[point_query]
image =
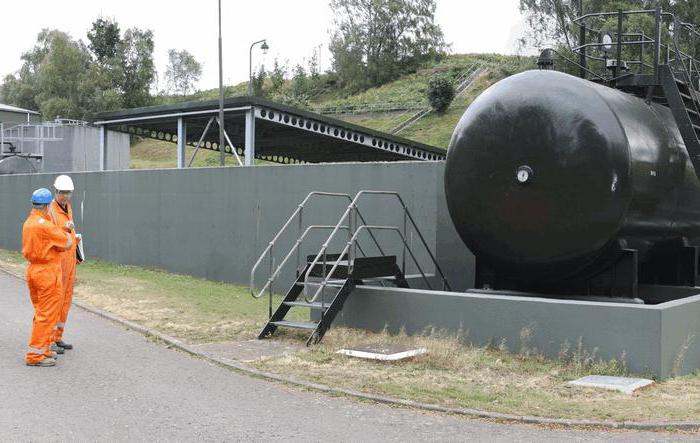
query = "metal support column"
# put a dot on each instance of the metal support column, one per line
(103, 148)
(657, 44)
(181, 142)
(250, 137)
(582, 52)
(618, 63)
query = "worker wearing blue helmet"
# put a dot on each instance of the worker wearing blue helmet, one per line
(42, 245)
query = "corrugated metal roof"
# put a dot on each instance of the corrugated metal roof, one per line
(283, 134)
(9, 108)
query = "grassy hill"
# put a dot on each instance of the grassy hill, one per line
(409, 90)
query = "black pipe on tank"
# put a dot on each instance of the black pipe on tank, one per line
(545, 171)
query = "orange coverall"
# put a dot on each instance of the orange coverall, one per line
(68, 264)
(43, 245)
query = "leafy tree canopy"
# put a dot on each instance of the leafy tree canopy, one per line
(376, 41)
(183, 71)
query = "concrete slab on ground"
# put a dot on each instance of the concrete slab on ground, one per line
(383, 352)
(626, 385)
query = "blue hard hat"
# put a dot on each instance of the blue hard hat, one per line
(42, 196)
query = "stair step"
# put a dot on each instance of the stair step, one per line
(303, 304)
(317, 284)
(330, 262)
(296, 324)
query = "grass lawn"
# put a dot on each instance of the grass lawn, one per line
(153, 154)
(149, 153)
(192, 309)
(506, 378)
(433, 129)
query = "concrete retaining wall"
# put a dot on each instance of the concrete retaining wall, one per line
(213, 222)
(653, 339)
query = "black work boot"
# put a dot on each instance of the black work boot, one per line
(55, 348)
(47, 361)
(64, 345)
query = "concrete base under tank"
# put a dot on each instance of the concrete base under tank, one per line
(659, 339)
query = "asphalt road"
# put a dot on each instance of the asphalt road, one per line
(117, 386)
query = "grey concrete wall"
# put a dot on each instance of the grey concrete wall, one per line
(80, 150)
(455, 259)
(680, 336)
(651, 338)
(213, 222)
(11, 118)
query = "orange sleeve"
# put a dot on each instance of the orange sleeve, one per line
(55, 236)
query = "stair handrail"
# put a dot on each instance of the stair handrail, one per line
(298, 212)
(346, 250)
(345, 218)
(686, 71)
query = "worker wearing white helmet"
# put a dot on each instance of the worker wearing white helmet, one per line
(62, 214)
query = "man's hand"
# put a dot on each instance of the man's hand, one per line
(69, 225)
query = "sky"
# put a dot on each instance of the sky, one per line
(293, 29)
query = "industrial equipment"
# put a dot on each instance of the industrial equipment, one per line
(568, 185)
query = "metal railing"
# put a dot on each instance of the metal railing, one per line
(634, 47)
(351, 221)
(268, 252)
(464, 82)
(36, 134)
(364, 108)
(349, 217)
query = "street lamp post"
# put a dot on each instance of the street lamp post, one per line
(264, 47)
(222, 140)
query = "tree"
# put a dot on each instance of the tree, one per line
(258, 82)
(104, 37)
(62, 77)
(183, 71)
(441, 92)
(136, 54)
(550, 22)
(277, 76)
(59, 78)
(300, 82)
(375, 41)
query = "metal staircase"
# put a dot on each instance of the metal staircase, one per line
(682, 99)
(339, 273)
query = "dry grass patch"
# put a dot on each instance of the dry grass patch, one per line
(457, 375)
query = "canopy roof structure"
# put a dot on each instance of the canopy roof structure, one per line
(8, 108)
(270, 131)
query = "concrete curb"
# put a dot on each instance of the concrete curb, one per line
(474, 413)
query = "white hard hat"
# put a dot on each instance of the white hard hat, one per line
(63, 183)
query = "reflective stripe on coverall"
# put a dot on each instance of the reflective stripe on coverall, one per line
(68, 264)
(43, 244)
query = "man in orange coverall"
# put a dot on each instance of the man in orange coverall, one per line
(62, 215)
(43, 245)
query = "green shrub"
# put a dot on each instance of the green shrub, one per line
(441, 92)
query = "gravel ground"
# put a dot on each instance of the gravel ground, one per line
(117, 386)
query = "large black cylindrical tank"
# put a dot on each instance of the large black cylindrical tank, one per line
(16, 165)
(545, 170)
